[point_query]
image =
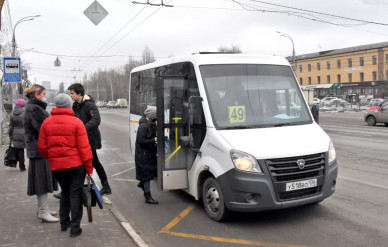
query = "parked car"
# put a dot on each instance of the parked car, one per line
(100, 103)
(316, 101)
(111, 104)
(325, 101)
(379, 115)
(338, 103)
(122, 103)
(376, 102)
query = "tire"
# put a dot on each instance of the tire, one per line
(213, 201)
(386, 124)
(371, 120)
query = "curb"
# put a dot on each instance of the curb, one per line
(124, 223)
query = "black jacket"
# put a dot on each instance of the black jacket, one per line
(145, 153)
(34, 115)
(88, 112)
(16, 127)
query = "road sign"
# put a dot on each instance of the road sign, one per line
(57, 62)
(95, 12)
(12, 70)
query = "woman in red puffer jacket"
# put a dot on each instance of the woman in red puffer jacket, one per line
(64, 142)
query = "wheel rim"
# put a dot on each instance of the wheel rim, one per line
(371, 121)
(213, 199)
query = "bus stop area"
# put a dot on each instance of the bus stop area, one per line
(20, 226)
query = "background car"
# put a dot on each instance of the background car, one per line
(111, 104)
(100, 103)
(325, 101)
(316, 101)
(385, 102)
(122, 103)
(376, 102)
(379, 115)
(338, 103)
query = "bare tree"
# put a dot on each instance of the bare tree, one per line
(231, 49)
(148, 56)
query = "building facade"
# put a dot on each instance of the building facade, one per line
(353, 73)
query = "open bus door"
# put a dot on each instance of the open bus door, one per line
(177, 131)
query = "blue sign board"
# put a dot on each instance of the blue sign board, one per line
(12, 70)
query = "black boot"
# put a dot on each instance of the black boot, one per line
(141, 185)
(149, 199)
(105, 190)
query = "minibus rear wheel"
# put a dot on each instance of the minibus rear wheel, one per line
(213, 200)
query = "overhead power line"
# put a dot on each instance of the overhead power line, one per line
(320, 13)
(126, 24)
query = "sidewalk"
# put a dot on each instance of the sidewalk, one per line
(20, 226)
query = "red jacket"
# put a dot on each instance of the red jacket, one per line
(64, 142)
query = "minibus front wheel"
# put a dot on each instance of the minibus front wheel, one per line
(213, 200)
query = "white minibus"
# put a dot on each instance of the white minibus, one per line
(234, 131)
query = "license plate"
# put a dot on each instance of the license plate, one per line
(300, 185)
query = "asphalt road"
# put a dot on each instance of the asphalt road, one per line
(356, 215)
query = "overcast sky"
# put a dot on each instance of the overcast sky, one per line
(189, 26)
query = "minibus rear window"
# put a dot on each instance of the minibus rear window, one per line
(253, 96)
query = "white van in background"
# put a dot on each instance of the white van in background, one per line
(122, 103)
(235, 132)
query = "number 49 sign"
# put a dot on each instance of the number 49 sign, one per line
(237, 114)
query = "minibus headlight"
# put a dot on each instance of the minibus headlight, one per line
(332, 154)
(244, 162)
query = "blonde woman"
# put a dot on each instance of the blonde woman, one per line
(40, 179)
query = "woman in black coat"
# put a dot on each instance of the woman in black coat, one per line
(40, 179)
(16, 131)
(145, 153)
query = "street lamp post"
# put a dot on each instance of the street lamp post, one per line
(27, 18)
(14, 52)
(293, 49)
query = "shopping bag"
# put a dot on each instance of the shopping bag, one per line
(10, 157)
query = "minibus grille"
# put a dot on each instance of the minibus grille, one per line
(287, 169)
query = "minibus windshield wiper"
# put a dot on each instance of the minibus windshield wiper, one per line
(282, 124)
(237, 127)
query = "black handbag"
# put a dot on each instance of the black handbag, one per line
(91, 197)
(10, 157)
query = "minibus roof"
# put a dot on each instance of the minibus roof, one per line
(216, 58)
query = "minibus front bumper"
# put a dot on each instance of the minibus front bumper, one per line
(252, 192)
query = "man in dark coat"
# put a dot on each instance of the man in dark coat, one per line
(85, 109)
(145, 153)
(16, 131)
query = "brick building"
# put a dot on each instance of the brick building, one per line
(353, 72)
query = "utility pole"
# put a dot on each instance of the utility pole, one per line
(98, 95)
(111, 89)
(14, 52)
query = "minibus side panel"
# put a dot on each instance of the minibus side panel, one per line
(214, 157)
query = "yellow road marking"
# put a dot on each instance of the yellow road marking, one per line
(177, 219)
(126, 170)
(185, 212)
(129, 180)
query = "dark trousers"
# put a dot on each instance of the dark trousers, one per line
(20, 155)
(72, 182)
(99, 168)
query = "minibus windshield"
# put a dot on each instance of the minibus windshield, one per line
(253, 96)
